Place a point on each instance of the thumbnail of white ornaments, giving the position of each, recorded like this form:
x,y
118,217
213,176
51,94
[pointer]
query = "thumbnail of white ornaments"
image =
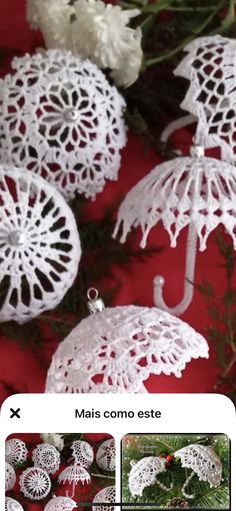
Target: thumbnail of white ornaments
x,y
61,119
202,460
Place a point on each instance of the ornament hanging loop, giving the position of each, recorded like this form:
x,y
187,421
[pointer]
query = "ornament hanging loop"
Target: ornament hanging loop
x,y
95,304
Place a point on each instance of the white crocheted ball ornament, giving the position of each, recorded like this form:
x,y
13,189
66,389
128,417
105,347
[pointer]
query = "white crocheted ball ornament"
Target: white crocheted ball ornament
x,y
82,453
203,461
40,246
10,476
35,483
106,455
15,451
106,495
12,505
47,457
60,504
74,474
124,346
62,120
210,68
144,473
180,192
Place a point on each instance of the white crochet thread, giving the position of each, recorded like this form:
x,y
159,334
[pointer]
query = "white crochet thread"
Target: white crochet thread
x,y
82,453
10,476
106,455
105,495
60,504
183,191
144,473
197,192
123,345
35,483
47,457
74,474
62,120
15,451
40,246
204,461
210,68
12,505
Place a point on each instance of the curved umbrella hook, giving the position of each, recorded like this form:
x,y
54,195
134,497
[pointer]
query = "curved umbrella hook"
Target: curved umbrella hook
x,y
159,281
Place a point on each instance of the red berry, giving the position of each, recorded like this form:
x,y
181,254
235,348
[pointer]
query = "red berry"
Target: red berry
x,y
169,458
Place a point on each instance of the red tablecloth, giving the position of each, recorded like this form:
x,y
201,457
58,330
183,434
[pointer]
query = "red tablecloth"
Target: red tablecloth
x,y
20,370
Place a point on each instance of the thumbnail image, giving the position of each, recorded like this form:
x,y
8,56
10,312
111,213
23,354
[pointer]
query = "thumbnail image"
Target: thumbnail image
x,y
176,471
60,472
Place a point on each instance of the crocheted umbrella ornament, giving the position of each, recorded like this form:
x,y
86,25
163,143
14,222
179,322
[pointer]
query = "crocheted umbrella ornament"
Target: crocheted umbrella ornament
x,y
47,457
82,453
40,246
60,504
10,476
61,119
35,483
73,475
210,68
203,461
194,192
117,349
144,473
106,455
106,495
12,505
15,451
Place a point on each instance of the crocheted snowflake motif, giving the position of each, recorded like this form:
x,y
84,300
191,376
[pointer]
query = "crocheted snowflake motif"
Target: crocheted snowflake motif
x,y
210,68
204,461
47,457
40,246
62,120
35,483
106,455
10,476
180,192
123,345
144,473
60,504
82,453
12,505
106,495
15,451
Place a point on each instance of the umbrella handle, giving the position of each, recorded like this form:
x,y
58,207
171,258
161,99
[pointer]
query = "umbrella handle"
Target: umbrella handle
x,y
176,125
185,494
189,278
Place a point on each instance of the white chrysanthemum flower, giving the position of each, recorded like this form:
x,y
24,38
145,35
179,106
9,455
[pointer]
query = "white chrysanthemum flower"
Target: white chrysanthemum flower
x,y
100,32
55,439
53,18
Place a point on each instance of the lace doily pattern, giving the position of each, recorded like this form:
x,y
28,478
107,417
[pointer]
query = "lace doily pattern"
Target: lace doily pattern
x,y
47,457
62,120
10,476
179,192
123,345
15,451
144,473
105,495
204,461
40,246
12,505
35,483
210,68
82,453
106,455
74,474
60,504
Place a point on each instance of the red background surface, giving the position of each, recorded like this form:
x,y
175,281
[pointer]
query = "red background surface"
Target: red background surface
x,y
19,368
